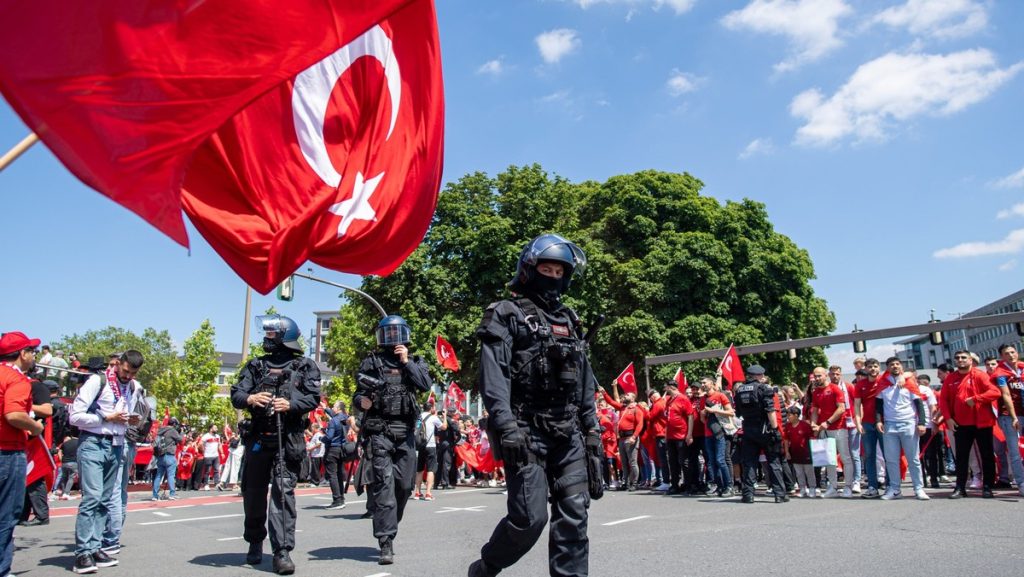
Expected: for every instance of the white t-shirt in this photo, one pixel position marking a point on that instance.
(430, 426)
(315, 446)
(211, 445)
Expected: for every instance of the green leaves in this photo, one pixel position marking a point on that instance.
(673, 270)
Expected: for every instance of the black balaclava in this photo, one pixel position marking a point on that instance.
(549, 289)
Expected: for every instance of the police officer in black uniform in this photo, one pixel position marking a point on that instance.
(278, 389)
(386, 387)
(537, 385)
(755, 403)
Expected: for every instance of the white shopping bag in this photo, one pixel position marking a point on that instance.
(823, 452)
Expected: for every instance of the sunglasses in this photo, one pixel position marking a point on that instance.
(33, 351)
(961, 357)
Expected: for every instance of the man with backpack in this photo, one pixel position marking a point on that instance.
(336, 438)
(165, 447)
(102, 413)
(427, 431)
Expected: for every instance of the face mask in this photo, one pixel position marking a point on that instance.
(270, 345)
(548, 288)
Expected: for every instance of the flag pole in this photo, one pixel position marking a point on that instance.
(19, 149)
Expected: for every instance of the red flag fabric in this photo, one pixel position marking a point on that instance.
(627, 379)
(680, 379)
(228, 433)
(40, 462)
(282, 141)
(167, 417)
(730, 367)
(446, 354)
(432, 398)
(456, 398)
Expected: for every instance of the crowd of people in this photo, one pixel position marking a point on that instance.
(962, 429)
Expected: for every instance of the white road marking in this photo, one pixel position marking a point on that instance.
(161, 514)
(379, 575)
(476, 509)
(191, 519)
(324, 498)
(620, 521)
(229, 539)
(178, 507)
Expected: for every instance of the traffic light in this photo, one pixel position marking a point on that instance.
(859, 347)
(286, 290)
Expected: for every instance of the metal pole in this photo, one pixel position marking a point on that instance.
(245, 324)
(376, 304)
(19, 149)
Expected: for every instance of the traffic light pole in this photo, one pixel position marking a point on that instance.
(376, 304)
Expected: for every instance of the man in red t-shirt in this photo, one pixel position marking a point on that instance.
(657, 426)
(631, 424)
(828, 410)
(17, 358)
(679, 416)
(1007, 376)
(968, 398)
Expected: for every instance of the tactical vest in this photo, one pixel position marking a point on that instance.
(280, 382)
(748, 402)
(547, 366)
(394, 400)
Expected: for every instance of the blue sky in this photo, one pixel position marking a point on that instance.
(883, 136)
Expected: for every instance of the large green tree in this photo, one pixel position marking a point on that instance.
(673, 271)
(189, 388)
(155, 346)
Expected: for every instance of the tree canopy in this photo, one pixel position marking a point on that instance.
(672, 270)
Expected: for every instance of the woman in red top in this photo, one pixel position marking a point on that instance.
(631, 424)
(968, 399)
(797, 445)
(716, 408)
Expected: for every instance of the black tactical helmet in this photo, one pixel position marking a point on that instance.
(392, 330)
(286, 331)
(550, 248)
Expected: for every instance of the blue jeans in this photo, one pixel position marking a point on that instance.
(854, 438)
(166, 468)
(98, 463)
(870, 442)
(1012, 443)
(12, 499)
(720, 473)
(118, 499)
(902, 435)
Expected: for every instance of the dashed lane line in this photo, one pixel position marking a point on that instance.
(191, 519)
(161, 514)
(620, 521)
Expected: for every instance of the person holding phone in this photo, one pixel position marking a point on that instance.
(101, 411)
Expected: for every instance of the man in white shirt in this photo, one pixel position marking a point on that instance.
(100, 411)
(426, 461)
(900, 417)
(211, 457)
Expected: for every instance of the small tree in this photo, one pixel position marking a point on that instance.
(189, 388)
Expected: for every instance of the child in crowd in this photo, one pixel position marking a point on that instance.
(797, 445)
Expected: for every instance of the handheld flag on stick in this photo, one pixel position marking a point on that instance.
(627, 379)
(446, 354)
(730, 367)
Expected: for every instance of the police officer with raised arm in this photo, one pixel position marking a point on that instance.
(538, 388)
(278, 389)
(386, 387)
(755, 404)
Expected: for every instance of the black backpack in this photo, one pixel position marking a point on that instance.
(139, 432)
(164, 445)
(60, 422)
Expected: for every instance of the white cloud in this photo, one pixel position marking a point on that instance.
(758, 146)
(1008, 265)
(896, 88)
(938, 18)
(678, 6)
(680, 83)
(1012, 244)
(492, 67)
(811, 26)
(556, 44)
(1015, 210)
(1015, 180)
(556, 97)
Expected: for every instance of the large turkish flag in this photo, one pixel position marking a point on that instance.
(288, 131)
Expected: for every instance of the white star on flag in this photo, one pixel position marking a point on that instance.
(358, 206)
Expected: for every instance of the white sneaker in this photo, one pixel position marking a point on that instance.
(856, 487)
(814, 493)
(890, 495)
(921, 495)
(848, 493)
(492, 483)
(804, 493)
(663, 487)
(830, 494)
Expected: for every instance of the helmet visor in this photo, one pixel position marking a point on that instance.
(555, 248)
(268, 323)
(392, 335)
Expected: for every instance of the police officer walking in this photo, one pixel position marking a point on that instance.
(278, 389)
(537, 385)
(386, 387)
(755, 403)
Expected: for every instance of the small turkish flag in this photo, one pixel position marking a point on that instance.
(446, 354)
(308, 130)
(730, 367)
(40, 462)
(627, 379)
(456, 398)
(680, 379)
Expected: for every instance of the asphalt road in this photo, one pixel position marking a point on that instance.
(632, 534)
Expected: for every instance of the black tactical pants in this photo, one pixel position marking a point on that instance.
(394, 471)
(257, 474)
(334, 469)
(560, 465)
(750, 450)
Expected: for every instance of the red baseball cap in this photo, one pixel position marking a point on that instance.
(15, 341)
